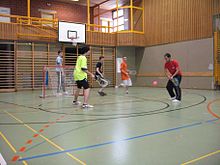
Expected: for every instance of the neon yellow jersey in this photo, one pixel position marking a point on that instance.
(79, 74)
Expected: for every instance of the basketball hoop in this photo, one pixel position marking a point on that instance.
(74, 43)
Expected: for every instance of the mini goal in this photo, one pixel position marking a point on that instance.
(55, 78)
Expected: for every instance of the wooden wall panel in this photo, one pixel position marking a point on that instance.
(30, 33)
(115, 39)
(168, 21)
(8, 31)
(96, 38)
(24, 69)
(7, 71)
(30, 59)
(215, 7)
(37, 34)
(130, 39)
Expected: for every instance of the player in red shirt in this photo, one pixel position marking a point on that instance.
(173, 72)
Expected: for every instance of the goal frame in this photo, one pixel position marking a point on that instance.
(44, 79)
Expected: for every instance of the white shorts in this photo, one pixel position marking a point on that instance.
(127, 82)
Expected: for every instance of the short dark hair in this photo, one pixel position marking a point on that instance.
(167, 55)
(84, 49)
(59, 51)
(101, 57)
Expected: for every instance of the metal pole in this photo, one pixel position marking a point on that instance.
(28, 10)
(117, 13)
(132, 19)
(88, 14)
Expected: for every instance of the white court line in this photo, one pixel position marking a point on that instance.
(2, 160)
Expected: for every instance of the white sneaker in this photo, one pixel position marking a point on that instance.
(76, 102)
(87, 106)
(59, 94)
(172, 98)
(176, 101)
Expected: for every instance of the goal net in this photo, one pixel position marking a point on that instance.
(58, 81)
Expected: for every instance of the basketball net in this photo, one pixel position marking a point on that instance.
(74, 43)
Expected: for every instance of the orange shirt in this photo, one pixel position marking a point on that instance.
(124, 71)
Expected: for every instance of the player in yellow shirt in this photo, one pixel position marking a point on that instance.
(80, 76)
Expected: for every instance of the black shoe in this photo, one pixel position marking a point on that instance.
(104, 94)
(101, 93)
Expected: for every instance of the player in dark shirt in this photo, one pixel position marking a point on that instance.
(99, 76)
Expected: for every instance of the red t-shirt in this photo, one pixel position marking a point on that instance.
(172, 66)
(124, 70)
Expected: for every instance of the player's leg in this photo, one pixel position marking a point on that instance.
(58, 82)
(125, 82)
(63, 83)
(98, 80)
(177, 88)
(126, 87)
(86, 88)
(76, 93)
(86, 96)
(169, 88)
(104, 83)
(129, 84)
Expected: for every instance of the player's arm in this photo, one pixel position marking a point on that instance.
(177, 70)
(122, 69)
(59, 64)
(167, 73)
(84, 67)
(88, 72)
(98, 66)
(97, 70)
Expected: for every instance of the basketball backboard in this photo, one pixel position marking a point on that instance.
(70, 30)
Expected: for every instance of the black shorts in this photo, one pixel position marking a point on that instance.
(82, 83)
(97, 76)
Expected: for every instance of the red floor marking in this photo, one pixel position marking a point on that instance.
(15, 158)
(210, 109)
(46, 126)
(41, 130)
(36, 135)
(22, 149)
(29, 142)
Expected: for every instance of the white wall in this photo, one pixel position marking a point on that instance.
(193, 56)
(129, 52)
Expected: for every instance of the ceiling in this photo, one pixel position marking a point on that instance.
(109, 4)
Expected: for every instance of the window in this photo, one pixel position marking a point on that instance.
(118, 22)
(4, 10)
(107, 22)
(48, 14)
(120, 13)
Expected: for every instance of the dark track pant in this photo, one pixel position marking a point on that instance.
(171, 88)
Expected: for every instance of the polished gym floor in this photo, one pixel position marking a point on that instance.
(142, 127)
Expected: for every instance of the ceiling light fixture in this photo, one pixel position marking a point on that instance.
(75, 0)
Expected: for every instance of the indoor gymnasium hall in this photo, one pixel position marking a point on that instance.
(109, 82)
